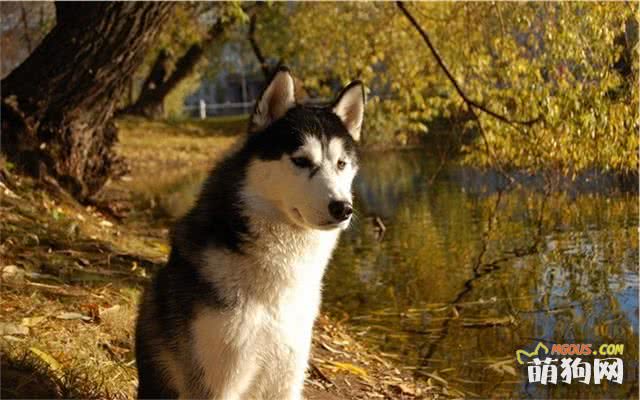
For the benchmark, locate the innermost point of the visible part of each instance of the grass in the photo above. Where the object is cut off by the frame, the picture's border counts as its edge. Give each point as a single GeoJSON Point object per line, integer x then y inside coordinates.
{"type": "Point", "coordinates": [171, 150]}
{"type": "Point", "coordinates": [72, 276]}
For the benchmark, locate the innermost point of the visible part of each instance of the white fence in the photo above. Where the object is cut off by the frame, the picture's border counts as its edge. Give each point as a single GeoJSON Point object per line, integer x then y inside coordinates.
{"type": "Point", "coordinates": [204, 110]}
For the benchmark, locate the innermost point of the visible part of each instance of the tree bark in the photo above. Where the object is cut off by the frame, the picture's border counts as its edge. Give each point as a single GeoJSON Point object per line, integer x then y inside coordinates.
{"type": "Point", "coordinates": [57, 106]}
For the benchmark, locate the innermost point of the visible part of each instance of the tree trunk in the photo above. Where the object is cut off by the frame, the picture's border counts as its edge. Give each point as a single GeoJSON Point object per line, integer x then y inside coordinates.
{"type": "Point", "coordinates": [57, 106]}
{"type": "Point", "coordinates": [150, 103]}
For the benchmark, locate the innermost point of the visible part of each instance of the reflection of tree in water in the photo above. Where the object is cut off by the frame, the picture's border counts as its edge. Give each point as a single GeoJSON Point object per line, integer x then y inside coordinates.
{"type": "Point", "coordinates": [485, 271]}
{"type": "Point", "coordinates": [385, 180]}
{"type": "Point", "coordinates": [581, 281]}
{"type": "Point", "coordinates": [481, 269]}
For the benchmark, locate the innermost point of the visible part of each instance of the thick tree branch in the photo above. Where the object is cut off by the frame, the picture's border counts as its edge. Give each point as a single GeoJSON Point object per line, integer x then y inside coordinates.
{"type": "Point", "coordinates": [158, 84]}
{"type": "Point", "coordinates": [251, 36]}
{"type": "Point", "coordinates": [267, 70]}
{"type": "Point", "coordinates": [187, 63]}
{"type": "Point", "coordinates": [471, 103]}
{"type": "Point", "coordinates": [151, 100]}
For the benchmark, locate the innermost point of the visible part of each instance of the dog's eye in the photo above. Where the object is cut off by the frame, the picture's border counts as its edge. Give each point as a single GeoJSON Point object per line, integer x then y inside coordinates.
{"type": "Point", "coordinates": [341, 164]}
{"type": "Point", "coordinates": [301, 162]}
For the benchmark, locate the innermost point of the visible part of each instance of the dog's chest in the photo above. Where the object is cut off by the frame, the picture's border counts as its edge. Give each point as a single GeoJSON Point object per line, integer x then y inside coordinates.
{"type": "Point", "coordinates": [274, 295]}
{"type": "Point", "coordinates": [274, 287]}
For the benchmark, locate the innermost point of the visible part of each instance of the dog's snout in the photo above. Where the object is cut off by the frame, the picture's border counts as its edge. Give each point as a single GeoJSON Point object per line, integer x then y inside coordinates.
{"type": "Point", "coordinates": [340, 210]}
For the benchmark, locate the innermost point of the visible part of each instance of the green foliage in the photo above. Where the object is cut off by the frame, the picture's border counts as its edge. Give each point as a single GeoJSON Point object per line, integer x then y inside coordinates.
{"type": "Point", "coordinates": [174, 102]}
{"type": "Point", "coordinates": [564, 74]}
{"type": "Point", "coordinates": [522, 60]}
{"type": "Point", "coordinates": [183, 29]}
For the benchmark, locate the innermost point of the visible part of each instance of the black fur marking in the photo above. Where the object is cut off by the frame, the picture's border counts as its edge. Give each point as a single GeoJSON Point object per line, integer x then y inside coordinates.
{"type": "Point", "coordinates": [287, 134]}
{"type": "Point", "coordinates": [302, 162]}
{"type": "Point", "coordinates": [313, 172]}
{"type": "Point", "coordinates": [177, 288]}
{"type": "Point", "coordinates": [152, 385]}
{"type": "Point", "coordinates": [177, 292]}
{"type": "Point", "coordinates": [216, 218]}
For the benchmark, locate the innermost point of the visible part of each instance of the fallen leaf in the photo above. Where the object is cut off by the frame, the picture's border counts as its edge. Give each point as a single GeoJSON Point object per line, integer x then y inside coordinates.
{"type": "Point", "coordinates": [405, 388]}
{"type": "Point", "coordinates": [163, 248]}
{"type": "Point", "coordinates": [73, 315]}
{"type": "Point", "coordinates": [47, 358]}
{"type": "Point", "coordinates": [13, 329]}
{"type": "Point", "coordinates": [32, 321]}
{"type": "Point", "coordinates": [110, 310]}
{"type": "Point", "coordinates": [93, 310]}
{"type": "Point", "coordinates": [12, 274]}
{"type": "Point", "coordinates": [353, 369]}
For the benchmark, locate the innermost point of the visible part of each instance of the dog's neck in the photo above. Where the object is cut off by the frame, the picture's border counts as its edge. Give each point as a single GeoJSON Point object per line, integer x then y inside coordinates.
{"type": "Point", "coordinates": [283, 245]}
{"type": "Point", "coordinates": [278, 260]}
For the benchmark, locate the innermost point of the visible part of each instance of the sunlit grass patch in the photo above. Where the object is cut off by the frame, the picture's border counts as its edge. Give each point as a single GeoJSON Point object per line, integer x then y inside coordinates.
{"type": "Point", "coordinates": [70, 283]}
{"type": "Point", "coordinates": [162, 155]}
{"type": "Point", "coordinates": [68, 359]}
{"type": "Point", "coordinates": [62, 341]}
{"type": "Point", "coordinates": [25, 375]}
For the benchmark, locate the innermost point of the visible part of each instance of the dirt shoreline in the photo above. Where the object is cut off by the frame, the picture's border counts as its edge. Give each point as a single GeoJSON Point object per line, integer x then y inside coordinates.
{"type": "Point", "coordinates": [72, 274]}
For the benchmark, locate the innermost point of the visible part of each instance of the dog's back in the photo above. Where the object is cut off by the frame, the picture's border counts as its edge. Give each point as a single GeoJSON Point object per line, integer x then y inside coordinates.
{"type": "Point", "coordinates": [167, 308]}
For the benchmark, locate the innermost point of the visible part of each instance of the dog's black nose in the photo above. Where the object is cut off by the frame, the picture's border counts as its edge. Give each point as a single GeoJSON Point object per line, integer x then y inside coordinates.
{"type": "Point", "coordinates": [340, 210]}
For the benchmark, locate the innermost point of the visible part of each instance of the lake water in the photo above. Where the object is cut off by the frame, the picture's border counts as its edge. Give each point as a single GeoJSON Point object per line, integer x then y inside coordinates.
{"type": "Point", "coordinates": [470, 269]}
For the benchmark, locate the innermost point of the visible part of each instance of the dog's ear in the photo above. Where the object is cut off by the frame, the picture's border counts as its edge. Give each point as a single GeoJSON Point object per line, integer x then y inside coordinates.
{"type": "Point", "coordinates": [349, 106]}
{"type": "Point", "coordinates": [275, 101]}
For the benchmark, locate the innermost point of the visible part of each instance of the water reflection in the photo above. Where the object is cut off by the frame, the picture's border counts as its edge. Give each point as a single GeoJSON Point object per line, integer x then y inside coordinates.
{"type": "Point", "coordinates": [470, 270]}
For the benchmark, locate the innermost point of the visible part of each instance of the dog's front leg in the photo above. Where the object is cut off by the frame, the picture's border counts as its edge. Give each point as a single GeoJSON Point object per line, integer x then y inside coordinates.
{"type": "Point", "coordinates": [296, 386]}
{"type": "Point", "coordinates": [224, 364]}
{"type": "Point", "coordinates": [283, 380]}
{"type": "Point", "coordinates": [223, 376]}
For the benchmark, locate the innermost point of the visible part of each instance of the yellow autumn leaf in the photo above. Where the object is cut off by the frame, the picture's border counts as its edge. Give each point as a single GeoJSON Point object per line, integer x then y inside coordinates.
{"type": "Point", "coordinates": [348, 367]}
{"type": "Point", "coordinates": [47, 358]}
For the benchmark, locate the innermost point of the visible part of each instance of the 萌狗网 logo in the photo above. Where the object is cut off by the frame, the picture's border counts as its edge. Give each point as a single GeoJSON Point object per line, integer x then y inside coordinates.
{"type": "Point", "coordinates": [569, 363]}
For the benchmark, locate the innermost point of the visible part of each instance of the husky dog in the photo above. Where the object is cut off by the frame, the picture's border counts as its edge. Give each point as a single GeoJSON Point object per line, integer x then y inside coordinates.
{"type": "Point", "coordinates": [231, 315]}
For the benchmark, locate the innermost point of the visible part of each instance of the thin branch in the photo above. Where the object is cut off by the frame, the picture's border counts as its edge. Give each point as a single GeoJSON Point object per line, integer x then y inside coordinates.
{"type": "Point", "coordinates": [251, 36]}
{"type": "Point", "coordinates": [499, 13]}
{"type": "Point", "coordinates": [497, 163]}
{"type": "Point", "coordinates": [471, 103]}
{"type": "Point", "coordinates": [41, 24]}
{"type": "Point", "coordinates": [25, 26]}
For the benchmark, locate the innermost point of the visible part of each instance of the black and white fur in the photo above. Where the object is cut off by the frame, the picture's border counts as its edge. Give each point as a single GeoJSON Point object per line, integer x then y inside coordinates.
{"type": "Point", "coordinates": [231, 315]}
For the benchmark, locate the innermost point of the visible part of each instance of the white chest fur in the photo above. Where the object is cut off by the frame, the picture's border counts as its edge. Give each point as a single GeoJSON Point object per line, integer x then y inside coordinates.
{"type": "Point", "coordinates": [258, 347]}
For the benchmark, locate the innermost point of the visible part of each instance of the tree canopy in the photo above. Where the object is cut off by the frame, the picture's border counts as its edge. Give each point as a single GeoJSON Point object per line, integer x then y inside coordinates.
{"type": "Point", "coordinates": [566, 65]}
{"type": "Point", "coordinates": [535, 86]}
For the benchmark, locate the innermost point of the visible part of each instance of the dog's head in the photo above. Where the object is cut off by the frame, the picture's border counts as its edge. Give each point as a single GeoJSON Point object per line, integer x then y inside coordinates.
{"type": "Point", "coordinates": [305, 157]}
